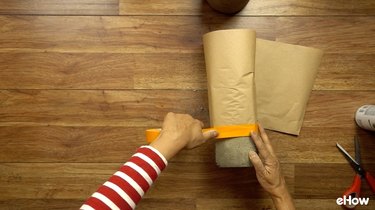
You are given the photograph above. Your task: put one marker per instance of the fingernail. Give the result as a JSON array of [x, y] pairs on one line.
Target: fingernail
[[253, 133], [214, 133]]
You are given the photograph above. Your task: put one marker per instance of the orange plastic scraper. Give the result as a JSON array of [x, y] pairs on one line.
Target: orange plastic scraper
[[228, 131]]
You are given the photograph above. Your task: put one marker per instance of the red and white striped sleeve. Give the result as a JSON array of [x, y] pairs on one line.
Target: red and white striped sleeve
[[127, 186]]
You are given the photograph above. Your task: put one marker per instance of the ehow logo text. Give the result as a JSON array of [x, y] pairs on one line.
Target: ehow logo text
[[352, 201]]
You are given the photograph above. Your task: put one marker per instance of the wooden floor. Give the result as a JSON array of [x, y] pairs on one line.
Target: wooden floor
[[80, 81]]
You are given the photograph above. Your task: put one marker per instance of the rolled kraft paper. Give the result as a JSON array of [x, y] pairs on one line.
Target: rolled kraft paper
[[228, 6], [230, 60], [284, 78]]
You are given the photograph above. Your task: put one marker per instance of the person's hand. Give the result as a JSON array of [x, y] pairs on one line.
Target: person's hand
[[266, 164], [268, 171], [180, 131]]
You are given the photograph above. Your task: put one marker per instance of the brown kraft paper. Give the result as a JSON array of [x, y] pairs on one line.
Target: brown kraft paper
[[284, 75], [230, 60], [284, 78]]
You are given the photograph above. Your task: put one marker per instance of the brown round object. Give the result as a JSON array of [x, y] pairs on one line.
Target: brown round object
[[228, 6]]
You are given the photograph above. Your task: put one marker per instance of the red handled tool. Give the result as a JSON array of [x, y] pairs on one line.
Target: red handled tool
[[355, 189]]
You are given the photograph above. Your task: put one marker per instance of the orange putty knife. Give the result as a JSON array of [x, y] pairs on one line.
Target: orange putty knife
[[228, 131]]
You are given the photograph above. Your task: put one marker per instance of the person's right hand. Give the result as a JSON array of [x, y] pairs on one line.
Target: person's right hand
[[268, 171], [180, 131]]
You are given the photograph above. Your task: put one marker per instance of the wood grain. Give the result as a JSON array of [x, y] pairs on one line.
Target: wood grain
[[85, 144], [266, 204], [67, 71], [140, 108], [346, 72], [53, 180], [59, 7], [40, 204], [195, 7], [155, 71], [80, 180], [69, 144], [335, 108], [321, 36], [167, 204], [146, 108], [140, 34], [172, 204], [326, 181], [80, 81], [74, 204], [254, 7], [223, 204], [46, 181]]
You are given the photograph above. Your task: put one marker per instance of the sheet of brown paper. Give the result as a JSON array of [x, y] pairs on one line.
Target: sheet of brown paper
[[230, 60], [284, 76]]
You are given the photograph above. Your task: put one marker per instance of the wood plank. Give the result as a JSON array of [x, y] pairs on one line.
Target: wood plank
[[154, 71], [346, 72], [318, 145], [66, 71], [254, 7], [40, 204], [321, 34], [327, 180], [179, 204], [147, 108], [324, 204], [66, 204], [99, 34], [237, 204], [98, 108], [60, 7], [53, 180], [168, 7], [69, 144], [80, 180], [267, 204], [142, 34], [167, 204], [335, 108], [76, 144], [45, 181]]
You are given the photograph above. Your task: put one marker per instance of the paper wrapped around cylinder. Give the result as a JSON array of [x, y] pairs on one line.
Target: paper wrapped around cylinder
[[230, 60]]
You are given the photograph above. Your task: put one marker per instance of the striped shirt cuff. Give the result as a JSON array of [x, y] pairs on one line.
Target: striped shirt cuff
[[161, 156], [127, 186]]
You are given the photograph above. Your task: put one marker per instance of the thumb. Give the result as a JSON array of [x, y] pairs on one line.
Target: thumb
[[210, 134], [255, 160]]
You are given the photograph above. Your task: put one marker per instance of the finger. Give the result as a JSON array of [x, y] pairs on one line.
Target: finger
[[255, 160], [167, 118], [187, 117], [200, 123], [265, 139], [210, 135], [263, 152], [169, 114]]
